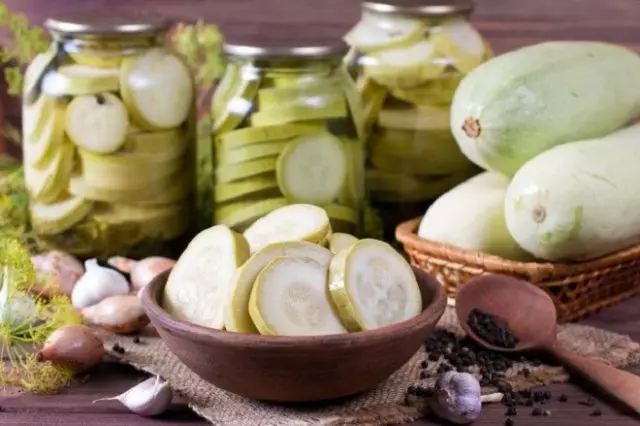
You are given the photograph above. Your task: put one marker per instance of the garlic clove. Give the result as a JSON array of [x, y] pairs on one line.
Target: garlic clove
[[149, 398], [57, 272], [96, 284], [457, 398], [73, 346], [121, 314], [17, 309], [146, 270]]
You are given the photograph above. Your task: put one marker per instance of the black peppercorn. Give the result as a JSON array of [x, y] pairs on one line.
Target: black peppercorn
[[136, 340], [590, 402], [423, 375], [423, 364], [509, 422], [526, 372], [536, 411], [547, 395], [596, 413], [538, 396], [563, 398], [511, 411]]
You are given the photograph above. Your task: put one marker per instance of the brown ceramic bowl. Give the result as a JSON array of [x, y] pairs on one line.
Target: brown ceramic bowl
[[295, 369]]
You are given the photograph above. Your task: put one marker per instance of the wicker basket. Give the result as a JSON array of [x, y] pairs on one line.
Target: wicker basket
[[577, 289]]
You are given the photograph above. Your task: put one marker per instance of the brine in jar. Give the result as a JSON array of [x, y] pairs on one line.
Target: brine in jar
[[108, 129], [408, 57], [288, 129]]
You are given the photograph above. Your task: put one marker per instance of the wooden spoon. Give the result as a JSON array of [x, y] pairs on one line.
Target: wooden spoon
[[531, 316]]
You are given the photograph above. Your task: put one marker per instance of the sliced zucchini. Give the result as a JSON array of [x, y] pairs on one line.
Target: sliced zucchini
[[458, 40], [255, 135], [289, 298], [422, 118], [313, 169], [169, 143], [238, 103], [44, 131], [405, 67], [377, 32], [57, 217], [373, 96], [437, 92], [79, 80], [157, 89], [342, 213], [236, 316], [97, 123], [373, 286], [46, 185], [243, 213], [234, 190], [232, 172], [200, 282], [318, 91], [38, 66], [224, 89], [332, 108], [251, 152], [339, 241], [295, 222], [163, 222]]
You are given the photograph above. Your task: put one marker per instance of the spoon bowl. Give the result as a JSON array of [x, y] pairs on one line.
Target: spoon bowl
[[528, 310], [529, 313]]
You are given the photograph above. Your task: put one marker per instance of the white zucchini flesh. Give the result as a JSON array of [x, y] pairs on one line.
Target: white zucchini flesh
[[295, 222], [289, 298], [236, 315], [373, 286], [339, 241], [578, 201], [376, 31], [313, 169], [199, 284]]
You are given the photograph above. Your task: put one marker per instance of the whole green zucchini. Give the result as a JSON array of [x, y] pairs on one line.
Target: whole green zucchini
[[522, 103]]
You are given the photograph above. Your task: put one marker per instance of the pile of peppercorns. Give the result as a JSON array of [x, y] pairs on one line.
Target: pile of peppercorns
[[450, 352]]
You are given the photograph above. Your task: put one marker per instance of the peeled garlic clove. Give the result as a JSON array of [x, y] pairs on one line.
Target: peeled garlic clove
[[143, 271], [119, 314], [149, 398], [97, 284], [73, 346], [58, 273]]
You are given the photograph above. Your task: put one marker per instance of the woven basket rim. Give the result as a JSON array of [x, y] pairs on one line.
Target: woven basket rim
[[406, 233]]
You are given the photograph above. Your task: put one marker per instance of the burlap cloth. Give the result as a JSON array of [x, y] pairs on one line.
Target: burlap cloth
[[384, 405]]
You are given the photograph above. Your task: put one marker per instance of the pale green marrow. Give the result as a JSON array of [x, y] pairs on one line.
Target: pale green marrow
[[578, 201], [522, 103]]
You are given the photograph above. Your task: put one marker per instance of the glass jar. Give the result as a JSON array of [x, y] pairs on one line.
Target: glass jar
[[108, 138], [407, 58], [287, 129]]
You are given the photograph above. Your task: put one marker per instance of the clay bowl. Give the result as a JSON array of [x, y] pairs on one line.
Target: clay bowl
[[295, 369]]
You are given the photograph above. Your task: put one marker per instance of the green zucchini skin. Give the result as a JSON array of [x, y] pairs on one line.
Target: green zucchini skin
[[522, 103]]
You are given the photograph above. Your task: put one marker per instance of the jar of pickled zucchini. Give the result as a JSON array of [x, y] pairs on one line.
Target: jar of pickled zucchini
[[407, 58], [287, 129], [108, 138]]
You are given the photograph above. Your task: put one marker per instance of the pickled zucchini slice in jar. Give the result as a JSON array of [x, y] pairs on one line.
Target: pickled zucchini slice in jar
[[295, 222], [419, 118], [373, 286], [43, 131], [157, 89], [45, 185], [339, 241], [79, 80], [458, 40], [97, 123], [59, 216], [376, 32], [238, 103], [249, 186], [289, 298], [198, 285], [255, 135], [233, 172], [236, 316], [313, 169], [248, 153], [405, 67], [332, 108]]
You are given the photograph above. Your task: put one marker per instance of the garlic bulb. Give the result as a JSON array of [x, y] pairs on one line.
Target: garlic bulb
[[457, 398], [96, 284], [143, 271], [119, 314], [58, 273], [73, 346], [149, 398], [17, 309]]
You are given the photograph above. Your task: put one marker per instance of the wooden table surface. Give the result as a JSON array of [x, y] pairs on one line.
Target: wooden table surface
[[506, 23]]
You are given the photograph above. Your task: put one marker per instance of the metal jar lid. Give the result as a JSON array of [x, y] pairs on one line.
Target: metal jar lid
[[420, 7], [108, 24], [261, 47]]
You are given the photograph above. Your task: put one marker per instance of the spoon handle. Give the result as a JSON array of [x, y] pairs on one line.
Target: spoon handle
[[623, 386]]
